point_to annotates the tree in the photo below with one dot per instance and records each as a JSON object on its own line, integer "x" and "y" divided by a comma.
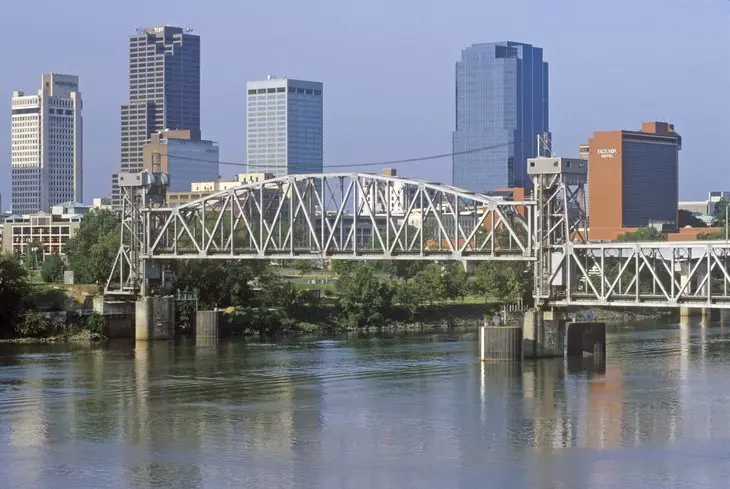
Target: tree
{"x": 642, "y": 234}
{"x": 14, "y": 292}
{"x": 303, "y": 266}
{"x": 500, "y": 281}
{"x": 92, "y": 250}
{"x": 365, "y": 301}
{"x": 218, "y": 284}
{"x": 455, "y": 281}
{"x": 718, "y": 213}
{"x": 52, "y": 269}
{"x": 429, "y": 283}
{"x": 686, "y": 218}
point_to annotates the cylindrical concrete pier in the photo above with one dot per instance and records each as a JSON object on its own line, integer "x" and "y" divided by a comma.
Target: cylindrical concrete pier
{"x": 501, "y": 343}
{"x": 206, "y": 328}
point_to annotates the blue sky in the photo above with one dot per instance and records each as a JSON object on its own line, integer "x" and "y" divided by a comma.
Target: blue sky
{"x": 388, "y": 70}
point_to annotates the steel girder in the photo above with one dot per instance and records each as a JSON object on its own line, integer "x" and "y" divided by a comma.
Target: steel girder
{"x": 648, "y": 274}
{"x": 348, "y": 216}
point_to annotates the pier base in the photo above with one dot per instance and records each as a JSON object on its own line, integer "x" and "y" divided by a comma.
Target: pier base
{"x": 586, "y": 339}
{"x": 206, "y": 328}
{"x": 500, "y": 343}
{"x": 543, "y": 334}
{"x": 154, "y": 318}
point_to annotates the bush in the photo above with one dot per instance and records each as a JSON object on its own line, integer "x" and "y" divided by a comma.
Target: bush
{"x": 52, "y": 269}
{"x": 95, "y": 323}
{"x": 35, "y": 325}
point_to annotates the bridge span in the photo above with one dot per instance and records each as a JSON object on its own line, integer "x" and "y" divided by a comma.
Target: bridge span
{"x": 359, "y": 216}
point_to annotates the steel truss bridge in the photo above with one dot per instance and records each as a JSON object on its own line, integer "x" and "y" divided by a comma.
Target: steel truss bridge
{"x": 358, "y": 216}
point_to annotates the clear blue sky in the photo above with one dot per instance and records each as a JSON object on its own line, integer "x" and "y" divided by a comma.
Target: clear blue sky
{"x": 388, "y": 70}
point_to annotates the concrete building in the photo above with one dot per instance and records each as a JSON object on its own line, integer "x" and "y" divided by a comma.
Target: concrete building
{"x": 501, "y": 108}
{"x": 46, "y": 232}
{"x": 46, "y": 145}
{"x": 164, "y": 92}
{"x": 633, "y": 178}
{"x": 399, "y": 197}
{"x": 284, "y": 120}
{"x": 198, "y": 190}
{"x": 185, "y": 158}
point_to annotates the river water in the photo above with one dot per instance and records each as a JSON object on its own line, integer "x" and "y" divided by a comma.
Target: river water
{"x": 400, "y": 411}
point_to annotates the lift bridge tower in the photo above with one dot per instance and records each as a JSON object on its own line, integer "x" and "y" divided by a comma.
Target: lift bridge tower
{"x": 560, "y": 219}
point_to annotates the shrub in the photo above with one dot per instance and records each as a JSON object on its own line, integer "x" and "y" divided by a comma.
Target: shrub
{"x": 35, "y": 325}
{"x": 95, "y": 323}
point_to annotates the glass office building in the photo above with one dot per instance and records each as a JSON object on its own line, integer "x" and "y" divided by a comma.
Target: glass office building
{"x": 284, "y": 121}
{"x": 501, "y": 107}
{"x": 164, "y": 92}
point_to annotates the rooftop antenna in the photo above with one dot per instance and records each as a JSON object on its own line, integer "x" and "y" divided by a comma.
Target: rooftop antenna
{"x": 544, "y": 145}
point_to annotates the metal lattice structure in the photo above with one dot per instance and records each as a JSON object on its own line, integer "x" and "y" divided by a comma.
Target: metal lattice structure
{"x": 358, "y": 216}
{"x": 650, "y": 274}
{"x": 327, "y": 216}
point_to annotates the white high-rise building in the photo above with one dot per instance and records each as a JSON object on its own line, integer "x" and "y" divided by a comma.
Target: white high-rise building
{"x": 284, "y": 121}
{"x": 46, "y": 145}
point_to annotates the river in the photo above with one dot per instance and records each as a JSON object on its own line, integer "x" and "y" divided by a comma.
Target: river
{"x": 387, "y": 412}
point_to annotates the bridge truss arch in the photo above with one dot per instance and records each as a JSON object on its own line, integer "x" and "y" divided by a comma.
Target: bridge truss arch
{"x": 356, "y": 216}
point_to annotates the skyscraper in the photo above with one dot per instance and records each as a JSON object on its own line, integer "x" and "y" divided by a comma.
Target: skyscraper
{"x": 285, "y": 126}
{"x": 164, "y": 91}
{"x": 46, "y": 145}
{"x": 501, "y": 107}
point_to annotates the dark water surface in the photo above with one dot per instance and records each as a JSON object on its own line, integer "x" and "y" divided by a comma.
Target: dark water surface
{"x": 403, "y": 411}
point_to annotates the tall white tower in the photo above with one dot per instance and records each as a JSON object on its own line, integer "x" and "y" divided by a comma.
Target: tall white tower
{"x": 284, "y": 121}
{"x": 46, "y": 145}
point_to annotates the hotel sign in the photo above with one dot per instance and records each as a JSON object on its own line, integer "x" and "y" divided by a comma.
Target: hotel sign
{"x": 607, "y": 153}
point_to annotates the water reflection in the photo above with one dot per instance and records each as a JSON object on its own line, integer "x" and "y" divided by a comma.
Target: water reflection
{"x": 399, "y": 411}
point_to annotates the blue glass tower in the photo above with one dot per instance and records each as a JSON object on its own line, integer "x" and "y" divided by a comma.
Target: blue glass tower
{"x": 501, "y": 107}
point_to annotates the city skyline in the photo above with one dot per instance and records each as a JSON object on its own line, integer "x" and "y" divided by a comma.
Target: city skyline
{"x": 384, "y": 105}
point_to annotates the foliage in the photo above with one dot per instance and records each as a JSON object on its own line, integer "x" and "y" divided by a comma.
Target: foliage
{"x": 430, "y": 283}
{"x": 455, "y": 281}
{"x": 14, "y": 292}
{"x": 218, "y": 283}
{"x": 185, "y": 314}
{"x": 718, "y": 213}
{"x": 303, "y": 266}
{"x": 52, "y": 269}
{"x": 343, "y": 267}
{"x": 402, "y": 269}
{"x": 34, "y": 325}
{"x": 642, "y": 234}
{"x": 711, "y": 236}
{"x": 365, "y": 301}
{"x": 95, "y": 323}
{"x": 686, "y": 218}
{"x": 500, "y": 281}
{"x": 92, "y": 250}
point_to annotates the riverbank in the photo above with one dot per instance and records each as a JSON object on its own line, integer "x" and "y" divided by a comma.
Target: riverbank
{"x": 82, "y": 336}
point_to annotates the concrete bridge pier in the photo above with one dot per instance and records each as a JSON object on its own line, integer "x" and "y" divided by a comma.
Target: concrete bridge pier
{"x": 154, "y": 318}
{"x": 544, "y": 334}
{"x": 207, "y": 329}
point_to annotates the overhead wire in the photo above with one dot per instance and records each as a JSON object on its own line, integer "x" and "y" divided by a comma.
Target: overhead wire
{"x": 352, "y": 165}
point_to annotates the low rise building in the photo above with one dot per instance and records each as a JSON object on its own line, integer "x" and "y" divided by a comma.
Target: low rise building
{"x": 45, "y": 233}
{"x": 198, "y": 190}
{"x": 183, "y": 156}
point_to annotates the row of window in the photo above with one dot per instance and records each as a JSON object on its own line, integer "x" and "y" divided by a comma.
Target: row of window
{"x": 301, "y": 91}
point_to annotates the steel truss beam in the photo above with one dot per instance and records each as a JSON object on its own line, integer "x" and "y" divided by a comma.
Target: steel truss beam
{"x": 347, "y": 216}
{"x": 650, "y": 274}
